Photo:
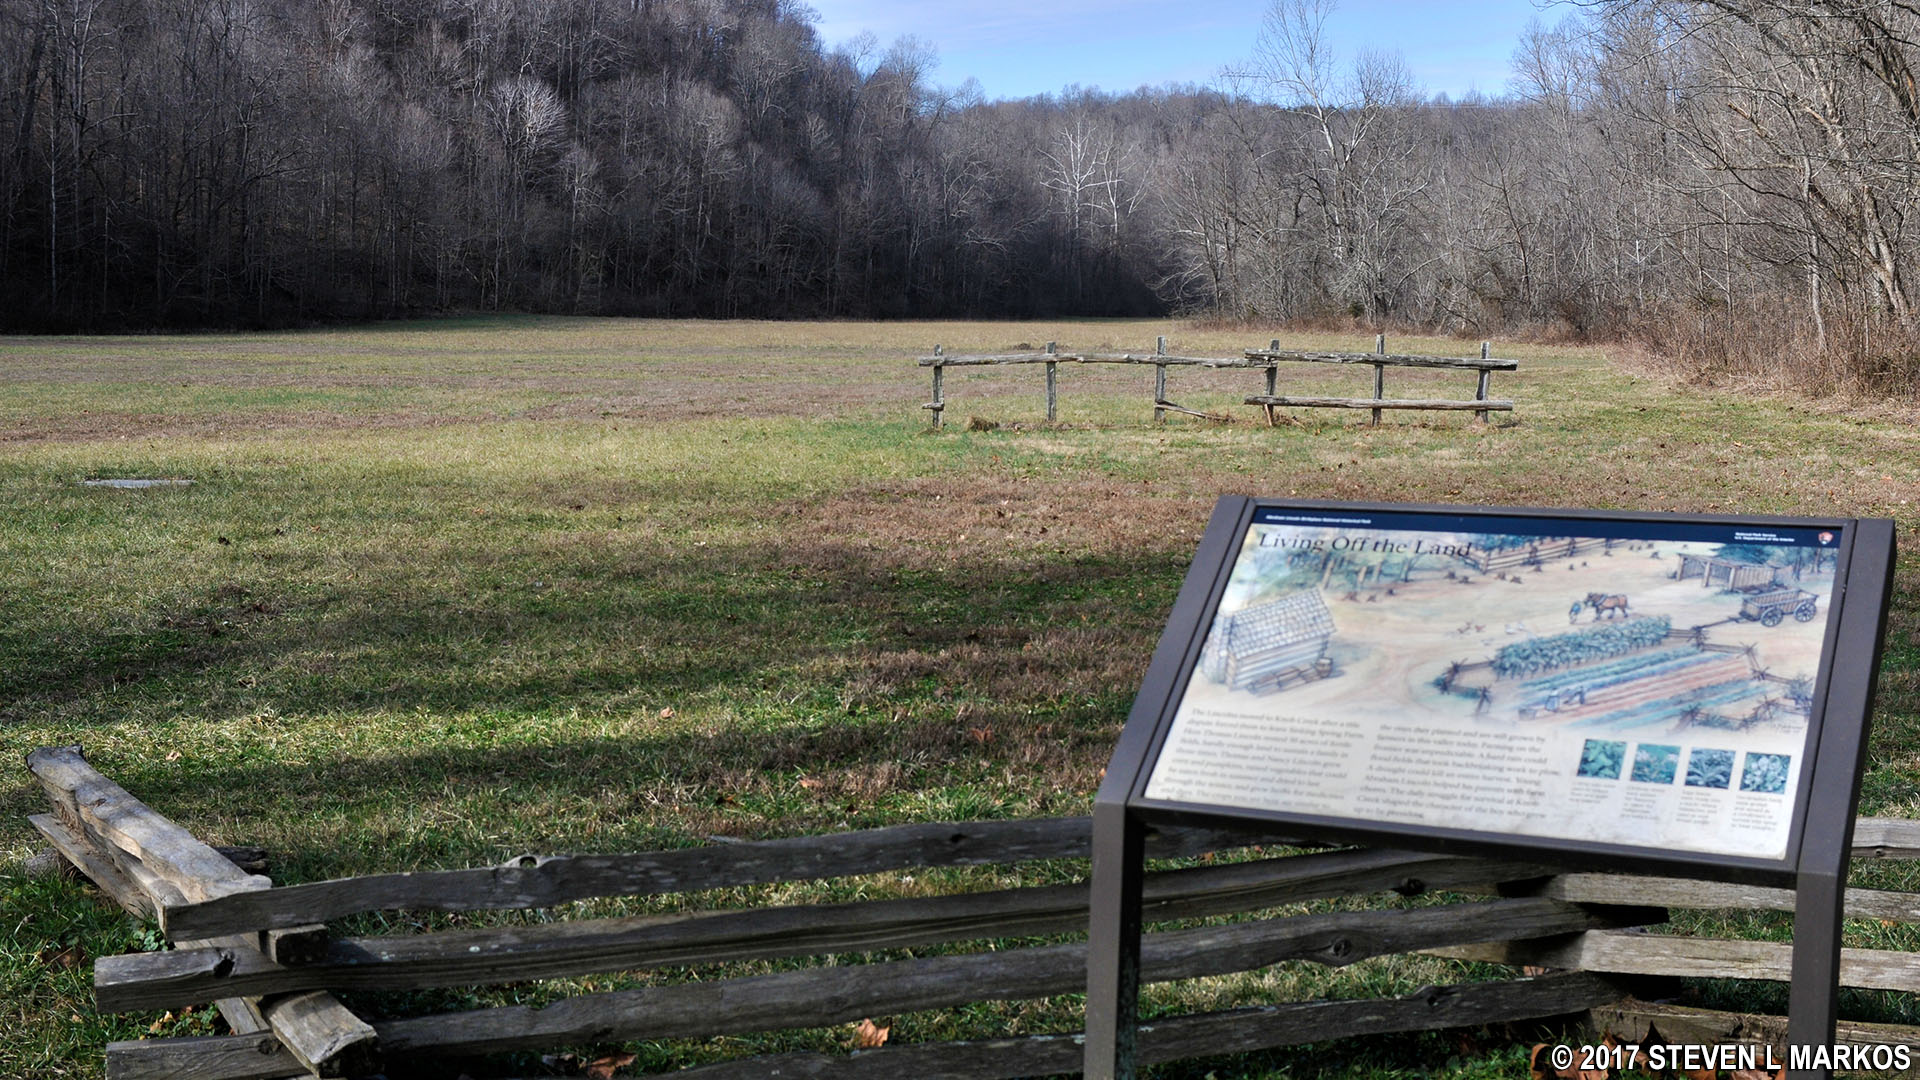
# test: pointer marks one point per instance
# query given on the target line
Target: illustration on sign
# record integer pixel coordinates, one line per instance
(1644, 689)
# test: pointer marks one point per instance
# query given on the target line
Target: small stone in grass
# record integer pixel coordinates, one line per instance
(132, 482)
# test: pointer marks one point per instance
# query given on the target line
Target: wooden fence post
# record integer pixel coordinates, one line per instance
(939, 404)
(1052, 388)
(171, 868)
(1159, 382)
(1164, 360)
(1481, 394)
(1273, 377)
(1379, 374)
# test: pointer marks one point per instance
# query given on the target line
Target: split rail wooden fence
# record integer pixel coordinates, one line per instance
(1268, 360)
(263, 954)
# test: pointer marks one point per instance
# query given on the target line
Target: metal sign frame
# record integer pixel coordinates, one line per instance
(1820, 836)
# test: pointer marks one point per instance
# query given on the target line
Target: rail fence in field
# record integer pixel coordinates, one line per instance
(263, 954)
(1268, 360)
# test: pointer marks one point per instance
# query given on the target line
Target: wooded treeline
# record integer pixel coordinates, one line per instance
(1721, 174)
(271, 160)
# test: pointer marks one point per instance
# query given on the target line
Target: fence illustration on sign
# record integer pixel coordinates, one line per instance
(1497, 554)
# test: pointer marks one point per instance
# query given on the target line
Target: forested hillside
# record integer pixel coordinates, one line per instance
(265, 160)
(1731, 175)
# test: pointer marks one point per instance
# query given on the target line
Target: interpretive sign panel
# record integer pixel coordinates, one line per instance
(1683, 695)
(1648, 683)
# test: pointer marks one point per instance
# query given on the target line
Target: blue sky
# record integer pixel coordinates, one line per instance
(1017, 48)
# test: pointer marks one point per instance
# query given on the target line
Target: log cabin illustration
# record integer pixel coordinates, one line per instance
(1266, 646)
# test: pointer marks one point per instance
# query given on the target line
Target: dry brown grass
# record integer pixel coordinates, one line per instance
(1773, 348)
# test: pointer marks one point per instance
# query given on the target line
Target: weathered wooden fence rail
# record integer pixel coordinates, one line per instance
(262, 953)
(1381, 360)
(1268, 360)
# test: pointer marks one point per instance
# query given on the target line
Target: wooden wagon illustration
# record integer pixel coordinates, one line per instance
(1267, 646)
(1769, 607)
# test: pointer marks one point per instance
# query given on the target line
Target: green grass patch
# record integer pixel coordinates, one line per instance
(445, 593)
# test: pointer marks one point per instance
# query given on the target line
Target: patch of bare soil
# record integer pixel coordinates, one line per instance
(933, 522)
(97, 426)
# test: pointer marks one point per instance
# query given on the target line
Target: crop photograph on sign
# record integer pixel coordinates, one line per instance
(1639, 683)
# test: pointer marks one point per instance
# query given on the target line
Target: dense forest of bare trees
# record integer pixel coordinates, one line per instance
(265, 161)
(1725, 174)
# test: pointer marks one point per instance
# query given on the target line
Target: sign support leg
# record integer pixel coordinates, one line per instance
(1113, 942)
(1826, 838)
(1812, 1005)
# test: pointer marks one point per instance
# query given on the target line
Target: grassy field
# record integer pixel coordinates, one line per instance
(445, 593)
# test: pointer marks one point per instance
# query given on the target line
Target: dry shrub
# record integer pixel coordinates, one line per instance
(1776, 346)
(1545, 330)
